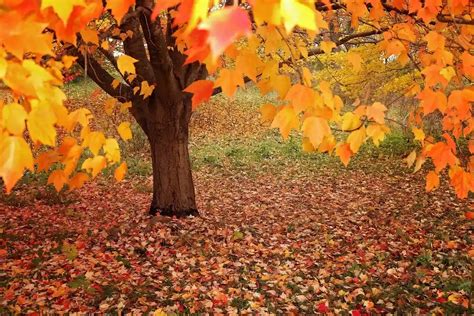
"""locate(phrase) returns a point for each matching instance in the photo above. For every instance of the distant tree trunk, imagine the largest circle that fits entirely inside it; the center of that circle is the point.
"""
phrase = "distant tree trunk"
(167, 129)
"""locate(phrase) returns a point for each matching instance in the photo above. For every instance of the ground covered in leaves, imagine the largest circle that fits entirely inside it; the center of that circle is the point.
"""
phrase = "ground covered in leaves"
(280, 232)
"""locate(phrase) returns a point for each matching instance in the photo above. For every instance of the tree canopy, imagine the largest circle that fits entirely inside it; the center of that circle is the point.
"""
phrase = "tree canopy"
(273, 43)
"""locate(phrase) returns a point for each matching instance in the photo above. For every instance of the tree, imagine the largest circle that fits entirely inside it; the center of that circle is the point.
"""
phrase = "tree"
(165, 58)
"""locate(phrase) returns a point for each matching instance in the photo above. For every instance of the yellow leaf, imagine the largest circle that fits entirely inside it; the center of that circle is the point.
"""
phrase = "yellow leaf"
(62, 8)
(419, 134)
(125, 64)
(327, 46)
(297, 13)
(95, 141)
(125, 106)
(377, 132)
(94, 165)
(115, 83)
(120, 172)
(377, 112)
(355, 60)
(146, 90)
(350, 121)
(315, 128)
(356, 139)
(68, 61)
(112, 150)
(15, 156)
(41, 122)
(58, 179)
(286, 120)
(411, 158)
(13, 118)
(124, 131)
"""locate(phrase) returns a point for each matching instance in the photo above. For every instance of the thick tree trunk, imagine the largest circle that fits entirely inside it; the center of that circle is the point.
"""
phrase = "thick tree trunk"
(168, 133)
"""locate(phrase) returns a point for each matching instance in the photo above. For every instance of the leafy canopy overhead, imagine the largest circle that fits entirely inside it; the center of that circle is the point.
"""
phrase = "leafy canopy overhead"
(269, 42)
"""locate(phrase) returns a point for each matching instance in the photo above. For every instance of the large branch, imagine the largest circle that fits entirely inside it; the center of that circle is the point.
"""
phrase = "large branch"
(101, 77)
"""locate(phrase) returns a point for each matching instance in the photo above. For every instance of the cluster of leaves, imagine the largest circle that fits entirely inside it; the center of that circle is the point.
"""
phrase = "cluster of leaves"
(278, 37)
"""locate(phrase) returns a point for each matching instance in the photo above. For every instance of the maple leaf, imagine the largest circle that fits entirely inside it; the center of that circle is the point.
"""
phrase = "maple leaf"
(15, 157)
(356, 138)
(377, 112)
(146, 90)
(344, 152)
(296, 13)
(419, 134)
(13, 118)
(118, 7)
(225, 26)
(78, 180)
(315, 128)
(462, 181)
(201, 90)
(40, 123)
(112, 150)
(124, 131)
(442, 155)
(125, 64)
(268, 112)
(285, 120)
(229, 80)
(120, 171)
(62, 8)
(94, 165)
(432, 181)
(327, 46)
(58, 179)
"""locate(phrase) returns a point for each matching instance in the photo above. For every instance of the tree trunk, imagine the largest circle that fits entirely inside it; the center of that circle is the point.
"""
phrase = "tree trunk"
(168, 133)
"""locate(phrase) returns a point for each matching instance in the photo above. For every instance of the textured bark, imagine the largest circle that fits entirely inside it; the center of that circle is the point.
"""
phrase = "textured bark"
(166, 126)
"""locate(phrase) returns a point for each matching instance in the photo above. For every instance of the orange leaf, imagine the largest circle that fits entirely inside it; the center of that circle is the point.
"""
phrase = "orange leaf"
(442, 155)
(118, 7)
(15, 157)
(432, 181)
(344, 153)
(377, 112)
(469, 215)
(58, 179)
(120, 172)
(201, 90)
(224, 27)
(78, 180)
(462, 181)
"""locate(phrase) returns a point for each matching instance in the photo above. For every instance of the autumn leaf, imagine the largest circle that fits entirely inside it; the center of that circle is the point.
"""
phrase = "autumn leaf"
(62, 8)
(327, 46)
(285, 120)
(118, 7)
(344, 152)
(78, 180)
(146, 90)
(58, 179)
(125, 64)
(356, 139)
(224, 27)
(120, 172)
(315, 128)
(377, 112)
(13, 118)
(296, 13)
(15, 157)
(432, 181)
(94, 165)
(124, 131)
(201, 90)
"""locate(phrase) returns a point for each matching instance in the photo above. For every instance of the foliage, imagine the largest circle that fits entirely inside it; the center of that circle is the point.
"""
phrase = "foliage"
(420, 49)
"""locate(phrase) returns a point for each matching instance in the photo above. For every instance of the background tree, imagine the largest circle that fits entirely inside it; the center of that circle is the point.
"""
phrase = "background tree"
(157, 61)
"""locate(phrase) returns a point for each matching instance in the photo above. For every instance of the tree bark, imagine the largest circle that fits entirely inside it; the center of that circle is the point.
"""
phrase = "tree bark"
(167, 129)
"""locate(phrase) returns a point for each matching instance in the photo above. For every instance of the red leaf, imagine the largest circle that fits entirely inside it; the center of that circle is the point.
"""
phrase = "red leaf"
(323, 308)
(224, 27)
(201, 90)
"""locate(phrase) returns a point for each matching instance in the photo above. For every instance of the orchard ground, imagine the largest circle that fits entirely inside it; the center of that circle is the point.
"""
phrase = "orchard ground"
(281, 231)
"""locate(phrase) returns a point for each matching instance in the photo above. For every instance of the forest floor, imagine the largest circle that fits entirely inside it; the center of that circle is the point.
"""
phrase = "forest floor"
(280, 232)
